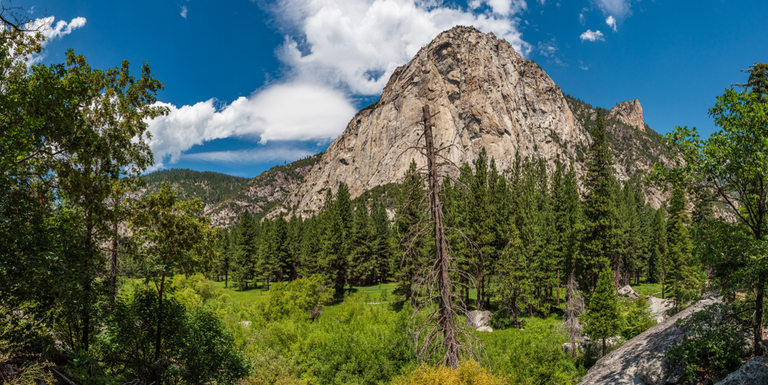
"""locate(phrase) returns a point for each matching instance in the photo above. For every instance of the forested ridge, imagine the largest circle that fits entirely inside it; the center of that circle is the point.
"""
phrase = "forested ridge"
(101, 283)
(210, 187)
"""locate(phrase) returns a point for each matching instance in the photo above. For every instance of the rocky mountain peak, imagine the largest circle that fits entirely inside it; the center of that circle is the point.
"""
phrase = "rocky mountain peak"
(485, 95)
(630, 113)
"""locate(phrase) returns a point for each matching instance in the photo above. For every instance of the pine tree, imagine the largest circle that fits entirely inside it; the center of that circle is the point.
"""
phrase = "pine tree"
(602, 317)
(293, 245)
(309, 251)
(567, 215)
(658, 248)
(362, 265)
(480, 226)
(226, 252)
(246, 253)
(599, 248)
(337, 220)
(681, 274)
(381, 241)
(409, 221)
(283, 265)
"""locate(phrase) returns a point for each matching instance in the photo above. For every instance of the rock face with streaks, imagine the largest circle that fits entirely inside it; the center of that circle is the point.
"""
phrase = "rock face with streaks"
(484, 94)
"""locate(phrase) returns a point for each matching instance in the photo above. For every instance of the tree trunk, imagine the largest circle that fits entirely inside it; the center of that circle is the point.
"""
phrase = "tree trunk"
(450, 341)
(85, 337)
(113, 268)
(604, 347)
(758, 330)
(158, 336)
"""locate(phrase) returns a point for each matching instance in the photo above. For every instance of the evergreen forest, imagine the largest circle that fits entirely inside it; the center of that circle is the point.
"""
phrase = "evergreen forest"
(104, 281)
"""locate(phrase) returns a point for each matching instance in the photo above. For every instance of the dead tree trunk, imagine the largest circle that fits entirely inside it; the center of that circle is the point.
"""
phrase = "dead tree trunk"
(442, 262)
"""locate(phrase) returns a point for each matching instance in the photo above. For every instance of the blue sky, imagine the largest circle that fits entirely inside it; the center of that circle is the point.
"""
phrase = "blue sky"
(252, 84)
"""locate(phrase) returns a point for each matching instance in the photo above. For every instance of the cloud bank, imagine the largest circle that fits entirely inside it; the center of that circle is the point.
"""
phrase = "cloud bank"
(277, 113)
(333, 51)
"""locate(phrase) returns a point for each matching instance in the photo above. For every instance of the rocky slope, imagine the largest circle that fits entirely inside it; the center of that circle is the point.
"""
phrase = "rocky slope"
(642, 360)
(226, 197)
(485, 95)
(636, 147)
(260, 194)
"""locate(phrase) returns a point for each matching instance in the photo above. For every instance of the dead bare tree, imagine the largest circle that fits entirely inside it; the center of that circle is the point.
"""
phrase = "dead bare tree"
(574, 306)
(434, 328)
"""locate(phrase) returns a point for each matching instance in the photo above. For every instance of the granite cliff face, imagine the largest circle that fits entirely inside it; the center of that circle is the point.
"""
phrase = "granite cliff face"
(636, 147)
(485, 95)
(629, 113)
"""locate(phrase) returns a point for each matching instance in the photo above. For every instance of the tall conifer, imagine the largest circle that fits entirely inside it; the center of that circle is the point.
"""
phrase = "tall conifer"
(602, 316)
(599, 248)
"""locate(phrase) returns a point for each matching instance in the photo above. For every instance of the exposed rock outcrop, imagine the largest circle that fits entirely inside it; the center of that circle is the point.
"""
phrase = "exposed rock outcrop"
(627, 291)
(485, 95)
(642, 360)
(629, 113)
(478, 318)
(755, 371)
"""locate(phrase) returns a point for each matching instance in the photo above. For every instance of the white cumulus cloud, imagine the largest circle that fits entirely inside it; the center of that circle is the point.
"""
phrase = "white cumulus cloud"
(357, 44)
(611, 23)
(52, 31)
(334, 50)
(589, 35)
(183, 11)
(279, 112)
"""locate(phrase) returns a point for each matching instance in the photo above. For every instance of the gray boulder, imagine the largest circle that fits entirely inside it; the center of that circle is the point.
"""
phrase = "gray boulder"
(755, 371)
(627, 291)
(478, 318)
(660, 307)
(642, 360)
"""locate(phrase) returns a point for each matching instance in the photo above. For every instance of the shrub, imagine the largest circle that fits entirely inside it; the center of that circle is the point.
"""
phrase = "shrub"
(636, 317)
(714, 341)
(468, 373)
(531, 356)
(196, 348)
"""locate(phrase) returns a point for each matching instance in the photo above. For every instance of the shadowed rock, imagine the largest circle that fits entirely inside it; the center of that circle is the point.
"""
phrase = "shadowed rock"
(642, 360)
(755, 371)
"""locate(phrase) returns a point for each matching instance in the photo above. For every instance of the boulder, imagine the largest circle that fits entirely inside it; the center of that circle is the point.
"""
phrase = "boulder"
(627, 291)
(478, 318)
(660, 307)
(567, 349)
(755, 371)
(485, 329)
(642, 360)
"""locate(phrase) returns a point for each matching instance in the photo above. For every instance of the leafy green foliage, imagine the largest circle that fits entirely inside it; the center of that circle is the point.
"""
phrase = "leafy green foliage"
(636, 317)
(301, 299)
(196, 346)
(714, 341)
(531, 356)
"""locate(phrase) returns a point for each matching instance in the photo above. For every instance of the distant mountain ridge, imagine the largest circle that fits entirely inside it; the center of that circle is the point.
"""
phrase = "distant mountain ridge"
(486, 96)
(211, 187)
(226, 196)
